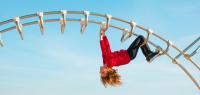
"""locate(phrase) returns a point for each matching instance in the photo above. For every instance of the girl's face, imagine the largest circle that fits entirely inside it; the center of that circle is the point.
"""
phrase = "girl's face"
(103, 71)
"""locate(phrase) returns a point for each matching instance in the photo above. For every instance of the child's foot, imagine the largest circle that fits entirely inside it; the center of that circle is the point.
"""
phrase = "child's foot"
(152, 56)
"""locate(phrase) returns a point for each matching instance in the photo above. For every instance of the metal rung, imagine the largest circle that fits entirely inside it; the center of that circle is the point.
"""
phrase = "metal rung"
(84, 22)
(125, 35)
(19, 27)
(133, 26)
(108, 19)
(1, 41)
(148, 36)
(41, 22)
(63, 21)
(169, 43)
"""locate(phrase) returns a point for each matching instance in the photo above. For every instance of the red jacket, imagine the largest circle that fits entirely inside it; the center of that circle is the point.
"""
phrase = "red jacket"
(115, 58)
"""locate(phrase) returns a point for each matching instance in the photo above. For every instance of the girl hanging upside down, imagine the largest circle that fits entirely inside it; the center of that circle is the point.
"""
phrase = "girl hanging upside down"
(109, 76)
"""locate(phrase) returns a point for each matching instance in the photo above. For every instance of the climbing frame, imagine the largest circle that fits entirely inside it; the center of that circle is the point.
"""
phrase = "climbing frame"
(126, 33)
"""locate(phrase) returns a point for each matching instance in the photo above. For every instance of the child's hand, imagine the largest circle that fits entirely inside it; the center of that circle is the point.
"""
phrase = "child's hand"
(103, 30)
(103, 27)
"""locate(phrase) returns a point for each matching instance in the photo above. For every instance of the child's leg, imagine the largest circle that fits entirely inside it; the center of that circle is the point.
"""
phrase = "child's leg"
(145, 48)
(147, 52)
(133, 48)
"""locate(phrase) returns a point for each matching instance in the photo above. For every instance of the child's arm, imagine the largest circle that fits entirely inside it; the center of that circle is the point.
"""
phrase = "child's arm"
(102, 34)
(105, 46)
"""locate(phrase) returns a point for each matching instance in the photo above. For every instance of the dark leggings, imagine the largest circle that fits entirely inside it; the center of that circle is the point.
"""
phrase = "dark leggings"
(133, 48)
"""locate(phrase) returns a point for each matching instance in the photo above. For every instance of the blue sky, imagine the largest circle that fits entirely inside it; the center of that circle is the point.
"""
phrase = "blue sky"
(56, 64)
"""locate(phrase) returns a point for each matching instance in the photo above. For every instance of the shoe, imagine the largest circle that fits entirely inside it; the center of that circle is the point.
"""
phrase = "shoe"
(152, 56)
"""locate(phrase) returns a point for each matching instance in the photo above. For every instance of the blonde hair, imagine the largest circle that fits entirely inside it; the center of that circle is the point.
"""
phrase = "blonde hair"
(112, 78)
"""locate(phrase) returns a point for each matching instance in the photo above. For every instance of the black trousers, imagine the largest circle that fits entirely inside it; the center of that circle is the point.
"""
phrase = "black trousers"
(133, 48)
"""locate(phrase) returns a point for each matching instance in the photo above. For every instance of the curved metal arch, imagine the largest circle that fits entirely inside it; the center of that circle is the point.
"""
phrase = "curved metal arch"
(109, 25)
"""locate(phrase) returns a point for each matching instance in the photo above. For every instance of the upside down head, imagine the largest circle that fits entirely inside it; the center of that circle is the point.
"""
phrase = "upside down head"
(109, 76)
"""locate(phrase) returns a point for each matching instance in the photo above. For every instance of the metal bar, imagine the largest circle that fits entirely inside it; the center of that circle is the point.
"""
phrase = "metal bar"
(194, 42)
(97, 14)
(75, 12)
(52, 12)
(189, 75)
(8, 29)
(195, 51)
(185, 71)
(28, 16)
(6, 22)
(196, 65)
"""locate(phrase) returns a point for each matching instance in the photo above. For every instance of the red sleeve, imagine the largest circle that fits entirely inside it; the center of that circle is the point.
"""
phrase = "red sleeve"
(105, 48)
(107, 45)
